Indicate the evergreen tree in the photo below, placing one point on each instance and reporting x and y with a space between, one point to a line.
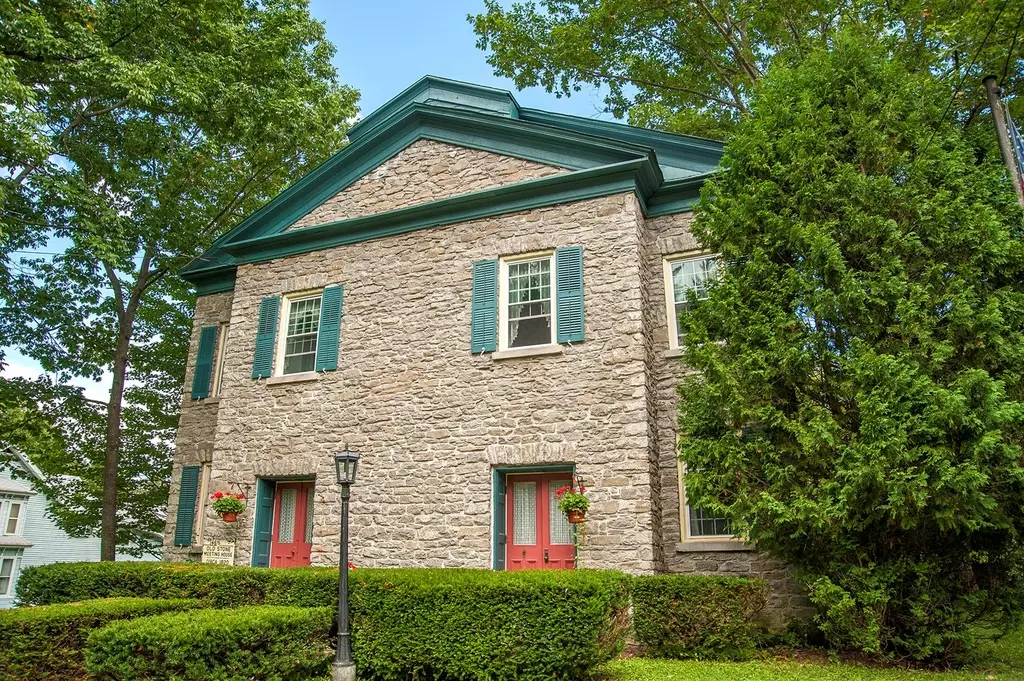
859 407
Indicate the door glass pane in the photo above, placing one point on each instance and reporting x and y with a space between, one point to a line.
309 515
524 516
561 530
286 528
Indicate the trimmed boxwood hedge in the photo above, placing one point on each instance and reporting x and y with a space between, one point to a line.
691 616
255 642
480 624
47 642
68 582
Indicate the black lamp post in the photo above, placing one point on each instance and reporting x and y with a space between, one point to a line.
345 465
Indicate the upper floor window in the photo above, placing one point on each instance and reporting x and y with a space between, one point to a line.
300 331
12 514
683 275
525 309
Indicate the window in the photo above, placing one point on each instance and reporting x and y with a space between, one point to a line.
684 275
14 510
525 310
696 523
10 562
218 367
301 326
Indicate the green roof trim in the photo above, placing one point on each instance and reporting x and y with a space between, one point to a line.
664 170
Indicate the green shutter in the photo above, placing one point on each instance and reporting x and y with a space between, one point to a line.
262 532
266 337
484 322
204 362
186 506
330 329
569 291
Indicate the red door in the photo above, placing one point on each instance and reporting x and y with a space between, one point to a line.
539 536
293 524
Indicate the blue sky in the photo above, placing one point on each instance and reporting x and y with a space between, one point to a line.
385 46
382 48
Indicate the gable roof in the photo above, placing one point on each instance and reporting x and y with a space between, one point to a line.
14 457
664 170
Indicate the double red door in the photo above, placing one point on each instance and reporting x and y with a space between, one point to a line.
293 524
538 535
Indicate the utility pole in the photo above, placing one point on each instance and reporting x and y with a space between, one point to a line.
993 90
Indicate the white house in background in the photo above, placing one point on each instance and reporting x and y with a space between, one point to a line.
27 535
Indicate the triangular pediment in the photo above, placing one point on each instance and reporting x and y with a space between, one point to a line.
459 132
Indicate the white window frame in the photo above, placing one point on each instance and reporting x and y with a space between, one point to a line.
503 264
5 515
204 498
670 298
13 555
282 326
218 367
685 533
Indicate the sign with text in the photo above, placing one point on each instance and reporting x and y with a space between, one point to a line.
219 552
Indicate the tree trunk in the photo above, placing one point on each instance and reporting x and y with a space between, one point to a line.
108 522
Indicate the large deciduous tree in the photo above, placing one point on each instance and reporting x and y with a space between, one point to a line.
689 67
859 407
137 132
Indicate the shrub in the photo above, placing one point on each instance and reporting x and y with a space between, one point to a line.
47 642
255 642
689 616
68 582
479 624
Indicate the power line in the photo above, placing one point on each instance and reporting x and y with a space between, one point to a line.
967 71
1013 44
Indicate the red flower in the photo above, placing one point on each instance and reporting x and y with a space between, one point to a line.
239 496
561 490
351 566
217 495
582 489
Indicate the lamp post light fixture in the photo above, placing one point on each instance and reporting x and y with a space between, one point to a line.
345 464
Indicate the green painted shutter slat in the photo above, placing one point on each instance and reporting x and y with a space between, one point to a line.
330 329
484 321
204 363
262 534
266 337
186 506
569 292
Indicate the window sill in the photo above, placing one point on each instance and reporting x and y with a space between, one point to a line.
205 400
532 351
710 545
294 378
672 353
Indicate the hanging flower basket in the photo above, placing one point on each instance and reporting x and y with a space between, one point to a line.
228 505
573 503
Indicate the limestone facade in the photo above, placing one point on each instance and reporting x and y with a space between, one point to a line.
431 420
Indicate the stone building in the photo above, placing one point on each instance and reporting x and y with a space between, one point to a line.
480 299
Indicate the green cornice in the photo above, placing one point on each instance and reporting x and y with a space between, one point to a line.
676 196
640 175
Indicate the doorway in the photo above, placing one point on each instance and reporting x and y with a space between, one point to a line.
537 535
283 528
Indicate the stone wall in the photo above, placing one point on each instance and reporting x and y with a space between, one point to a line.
430 418
197 425
424 171
670 235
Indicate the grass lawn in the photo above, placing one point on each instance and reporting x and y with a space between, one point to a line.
1002 661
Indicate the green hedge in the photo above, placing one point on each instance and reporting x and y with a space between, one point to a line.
47 642
256 642
480 624
690 616
69 582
